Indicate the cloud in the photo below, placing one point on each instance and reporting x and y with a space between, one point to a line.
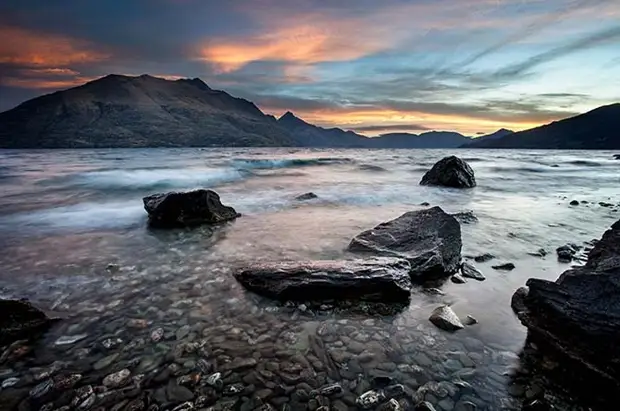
25 47
595 39
44 83
391 127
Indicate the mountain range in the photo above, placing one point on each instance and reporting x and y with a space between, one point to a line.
146 111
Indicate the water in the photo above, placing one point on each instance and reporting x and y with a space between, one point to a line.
75 242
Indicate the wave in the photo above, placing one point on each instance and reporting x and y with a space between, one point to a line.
519 169
151 178
256 163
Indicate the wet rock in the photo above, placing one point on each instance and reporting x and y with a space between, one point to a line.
105 362
566 253
391 405
579 313
470 271
157 334
186 406
233 389
450 172
215 380
42 389
483 258
470 320
239 364
64 382
306 196
9 382
458 279
394 391
110 343
182 332
574 203
187 209
20 320
429 239
70 339
331 389
204 366
466 217
83 396
178 393
370 399
117 379
378 279
443 317
424 406
504 267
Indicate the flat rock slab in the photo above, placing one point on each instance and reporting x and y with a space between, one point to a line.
429 239
186 209
376 279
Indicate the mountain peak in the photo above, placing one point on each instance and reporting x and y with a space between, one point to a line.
289 119
197 82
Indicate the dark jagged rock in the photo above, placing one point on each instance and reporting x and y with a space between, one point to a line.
306 196
450 172
574 203
483 258
616 156
187 209
20 319
470 271
377 279
504 267
429 239
579 313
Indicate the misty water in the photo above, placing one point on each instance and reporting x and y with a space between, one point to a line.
75 243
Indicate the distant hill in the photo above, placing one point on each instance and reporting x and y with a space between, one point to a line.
309 135
144 111
431 139
502 132
596 129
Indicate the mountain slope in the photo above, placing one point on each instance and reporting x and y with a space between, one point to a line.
309 135
431 139
144 111
596 129
502 132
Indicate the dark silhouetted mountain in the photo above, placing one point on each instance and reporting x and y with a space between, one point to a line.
309 135
430 139
502 132
144 111
596 129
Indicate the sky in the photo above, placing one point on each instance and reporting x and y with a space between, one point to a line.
372 66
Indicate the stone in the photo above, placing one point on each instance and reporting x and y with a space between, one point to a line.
157 334
391 405
70 339
331 389
117 379
370 399
239 364
9 382
186 209
182 332
20 320
541 252
306 196
178 393
394 391
470 271
105 361
470 320
504 267
566 253
443 317
215 380
450 172
233 389
429 239
42 389
574 203
579 313
377 279
424 406
458 279
483 258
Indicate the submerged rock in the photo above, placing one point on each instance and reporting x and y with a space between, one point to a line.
376 279
504 267
566 252
466 217
443 317
483 258
429 239
579 313
450 172
306 196
470 271
187 209
458 279
19 320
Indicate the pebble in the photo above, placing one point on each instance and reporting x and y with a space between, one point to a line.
391 405
370 399
110 343
483 258
42 389
70 339
445 318
9 382
329 390
458 279
182 332
117 379
157 334
504 267
470 320
424 406
233 389
105 362
215 380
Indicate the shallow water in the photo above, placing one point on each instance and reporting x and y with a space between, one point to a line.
65 216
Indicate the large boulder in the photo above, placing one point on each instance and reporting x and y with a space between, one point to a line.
579 313
450 172
429 239
378 279
19 320
187 209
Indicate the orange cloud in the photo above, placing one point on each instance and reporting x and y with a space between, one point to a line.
43 83
20 46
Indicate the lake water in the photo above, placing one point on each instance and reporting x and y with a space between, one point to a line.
75 242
